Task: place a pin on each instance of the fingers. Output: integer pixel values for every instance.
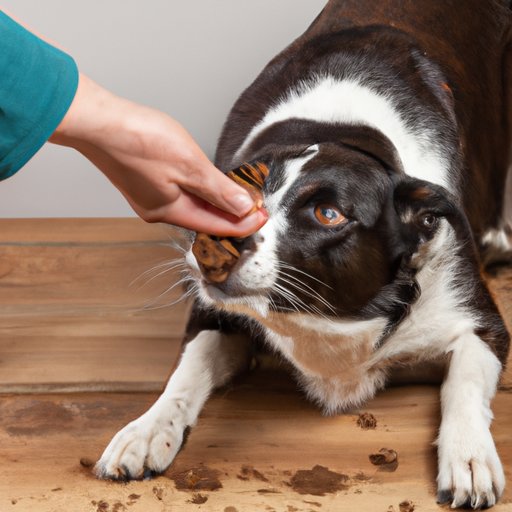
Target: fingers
(202, 179)
(197, 214)
(210, 184)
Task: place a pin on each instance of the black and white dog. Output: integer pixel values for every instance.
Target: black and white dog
(386, 129)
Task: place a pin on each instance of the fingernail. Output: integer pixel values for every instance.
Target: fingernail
(259, 217)
(242, 203)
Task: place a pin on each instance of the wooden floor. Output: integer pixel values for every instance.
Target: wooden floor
(85, 346)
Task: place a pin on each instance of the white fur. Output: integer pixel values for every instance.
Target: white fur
(332, 100)
(469, 465)
(153, 440)
(497, 241)
(336, 392)
(440, 306)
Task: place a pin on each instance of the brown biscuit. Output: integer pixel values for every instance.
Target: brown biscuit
(217, 256)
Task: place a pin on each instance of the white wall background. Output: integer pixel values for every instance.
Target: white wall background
(189, 58)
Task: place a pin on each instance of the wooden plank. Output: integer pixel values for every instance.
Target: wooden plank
(261, 423)
(93, 230)
(99, 363)
(81, 315)
(81, 275)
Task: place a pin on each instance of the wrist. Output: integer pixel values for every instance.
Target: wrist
(88, 117)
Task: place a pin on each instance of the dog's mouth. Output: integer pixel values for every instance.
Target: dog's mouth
(217, 256)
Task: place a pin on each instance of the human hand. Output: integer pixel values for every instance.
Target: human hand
(156, 164)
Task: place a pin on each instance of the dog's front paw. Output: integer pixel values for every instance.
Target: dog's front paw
(143, 448)
(470, 471)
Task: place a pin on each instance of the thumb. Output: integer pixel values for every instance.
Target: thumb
(210, 184)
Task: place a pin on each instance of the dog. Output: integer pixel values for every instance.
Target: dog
(386, 130)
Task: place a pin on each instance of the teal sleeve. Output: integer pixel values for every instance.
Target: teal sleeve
(37, 85)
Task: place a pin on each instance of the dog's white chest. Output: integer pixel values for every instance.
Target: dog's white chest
(331, 356)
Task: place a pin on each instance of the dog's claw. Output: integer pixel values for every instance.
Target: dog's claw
(445, 496)
(149, 474)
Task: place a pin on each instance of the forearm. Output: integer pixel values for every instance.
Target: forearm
(155, 163)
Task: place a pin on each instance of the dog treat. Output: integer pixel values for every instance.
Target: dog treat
(251, 177)
(217, 256)
(367, 421)
(387, 459)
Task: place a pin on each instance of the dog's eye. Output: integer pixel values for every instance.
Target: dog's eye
(328, 215)
(429, 221)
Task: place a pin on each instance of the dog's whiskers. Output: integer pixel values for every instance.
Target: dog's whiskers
(187, 293)
(307, 290)
(298, 305)
(166, 265)
(301, 286)
(287, 266)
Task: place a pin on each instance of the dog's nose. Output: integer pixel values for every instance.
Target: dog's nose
(244, 244)
(217, 257)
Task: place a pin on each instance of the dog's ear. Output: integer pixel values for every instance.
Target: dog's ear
(419, 206)
(373, 143)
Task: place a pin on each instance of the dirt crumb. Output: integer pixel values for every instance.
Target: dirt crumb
(361, 477)
(230, 509)
(101, 506)
(386, 459)
(159, 493)
(134, 497)
(367, 421)
(314, 503)
(57, 489)
(247, 472)
(13, 502)
(268, 491)
(86, 462)
(318, 481)
(118, 507)
(198, 498)
(201, 478)
(406, 506)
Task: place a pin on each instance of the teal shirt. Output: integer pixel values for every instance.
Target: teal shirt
(37, 85)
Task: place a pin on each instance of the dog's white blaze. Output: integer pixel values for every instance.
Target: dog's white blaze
(260, 271)
(327, 99)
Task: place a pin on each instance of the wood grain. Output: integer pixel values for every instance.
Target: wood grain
(70, 322)
(81, 305)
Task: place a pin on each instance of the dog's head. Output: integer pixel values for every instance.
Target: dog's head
(347, 231)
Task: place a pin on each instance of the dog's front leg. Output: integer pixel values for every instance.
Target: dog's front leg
(470, 471)
(149, 444)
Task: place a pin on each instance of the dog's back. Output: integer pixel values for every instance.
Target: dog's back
(458, 53)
